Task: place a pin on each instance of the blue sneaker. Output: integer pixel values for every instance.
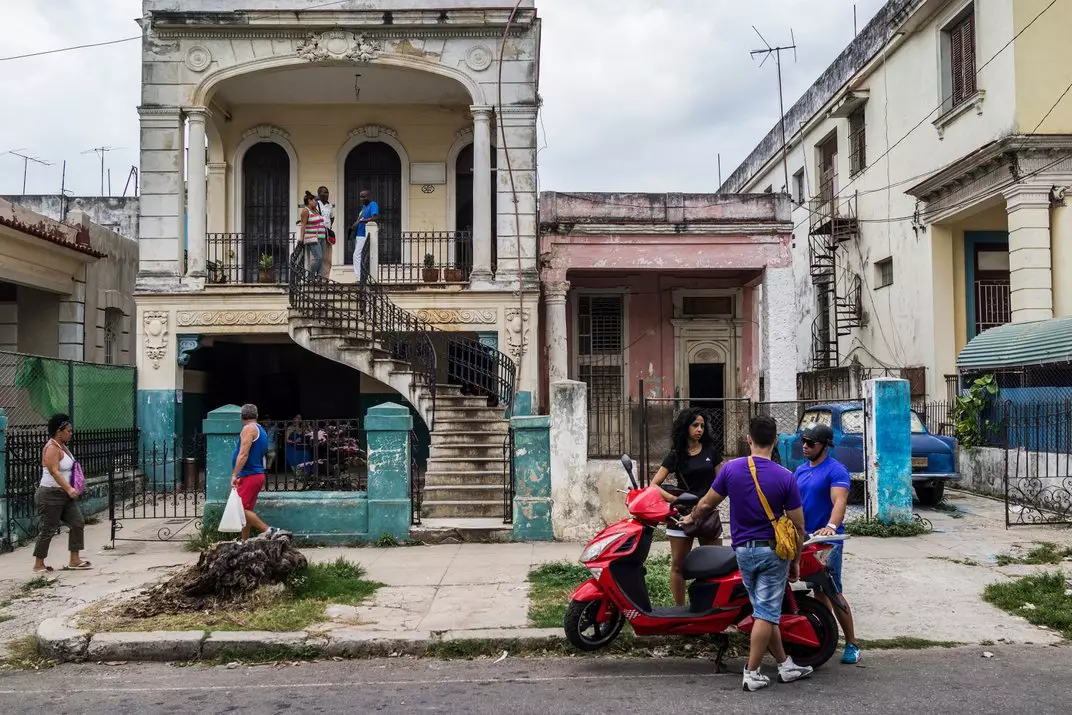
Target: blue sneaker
(851, 654)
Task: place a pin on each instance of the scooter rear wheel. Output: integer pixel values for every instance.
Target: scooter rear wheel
(584, 632)
(826, 631)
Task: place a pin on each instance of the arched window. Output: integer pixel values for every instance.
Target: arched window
(266, 199)
(377, 167)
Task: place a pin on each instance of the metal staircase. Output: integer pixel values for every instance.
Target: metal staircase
(839, 308)
(461, 388)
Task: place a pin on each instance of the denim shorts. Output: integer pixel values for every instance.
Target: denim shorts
(765, 576)
(833, 564)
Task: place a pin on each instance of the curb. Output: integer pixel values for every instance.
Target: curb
(59, 640)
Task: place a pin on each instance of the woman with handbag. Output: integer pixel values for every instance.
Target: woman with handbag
(57, 496)
(694, 459)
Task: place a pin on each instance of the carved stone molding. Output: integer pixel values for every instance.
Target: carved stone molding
(1059, 195)
(372, 131)
(479, 58)
(339, 45)
(463, 316)
(518, 329)
(187, 344)
(156, 336)
(266, 131)
(198, 58)
(190, 318)
(463, 133)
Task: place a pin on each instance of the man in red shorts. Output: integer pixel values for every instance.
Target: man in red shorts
(247, 475)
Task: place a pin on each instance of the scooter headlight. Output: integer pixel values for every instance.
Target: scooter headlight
(593, 550)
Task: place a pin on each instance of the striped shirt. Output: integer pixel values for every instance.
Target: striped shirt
(315, 230)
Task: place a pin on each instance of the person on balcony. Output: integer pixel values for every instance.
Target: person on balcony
(370, 211)
(313, 235)
(327, 210)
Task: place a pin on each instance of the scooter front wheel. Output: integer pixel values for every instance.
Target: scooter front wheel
(826, 631)
(586, 633)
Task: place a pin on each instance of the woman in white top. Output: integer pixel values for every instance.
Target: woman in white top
(56, 499)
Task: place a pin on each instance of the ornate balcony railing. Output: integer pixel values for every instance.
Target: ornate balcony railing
(427, 257)
(248, 258)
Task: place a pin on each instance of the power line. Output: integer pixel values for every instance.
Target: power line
(26, 159)
(68, 49)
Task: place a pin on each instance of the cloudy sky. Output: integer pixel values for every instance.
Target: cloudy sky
(638, 95)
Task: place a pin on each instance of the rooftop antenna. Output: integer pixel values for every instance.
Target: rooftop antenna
(133, 175)
(777, 53)
(26, 159)
(101, 151)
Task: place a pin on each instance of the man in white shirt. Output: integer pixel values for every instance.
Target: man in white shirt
(327, 210)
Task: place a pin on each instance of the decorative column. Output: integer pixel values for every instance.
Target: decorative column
(554, 295)
(889, 450)
(388, 427)
(517, 221)
(531, 455)
(162, 203)
(197, 192)
(1030, 265)
(482, 188)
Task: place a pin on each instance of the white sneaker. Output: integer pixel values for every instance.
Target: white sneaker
(790, 671)
(754, 680)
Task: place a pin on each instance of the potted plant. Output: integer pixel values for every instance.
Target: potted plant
(454, 275)
(268, 273)
(429, 274)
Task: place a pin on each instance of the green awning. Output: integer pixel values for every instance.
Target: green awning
(1018, 345)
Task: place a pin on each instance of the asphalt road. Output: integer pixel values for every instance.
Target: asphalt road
(1017, 679)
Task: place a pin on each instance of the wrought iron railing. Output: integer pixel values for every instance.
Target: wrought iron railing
(247, 258)
(509, 484)
(316, 455)
(416, 483)
(428, 257)
(993, 304)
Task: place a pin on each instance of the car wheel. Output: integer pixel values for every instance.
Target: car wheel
(931, 495)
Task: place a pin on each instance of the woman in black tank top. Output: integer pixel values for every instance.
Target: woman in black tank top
(694, 459)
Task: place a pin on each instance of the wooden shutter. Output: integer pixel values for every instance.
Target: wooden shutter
(962, 59)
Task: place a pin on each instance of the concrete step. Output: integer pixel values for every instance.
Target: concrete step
(448, 411)
(452, 531)
(451, 401)
(470, 424)
(462, 509)
(463, 493)
(467, 451)
(453, 465)
(450, 438)
(486, 478)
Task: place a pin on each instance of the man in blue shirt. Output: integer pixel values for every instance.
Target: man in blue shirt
(824, 493)
(370, 211)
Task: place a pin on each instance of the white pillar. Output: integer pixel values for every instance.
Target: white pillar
(482, 187)
(557, 345)
(1030, 265)
(779, 325)
(197, 193)
(575, 497)
(161, 205)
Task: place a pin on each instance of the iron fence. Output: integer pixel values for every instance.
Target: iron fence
(416, 483)
(728, 420)
(316, 455)
(247, 258)
(847, 383)
(1038, 454)
(33, 388)
(156, 490)
(1046, 384)
(509, 485)
(428, 257)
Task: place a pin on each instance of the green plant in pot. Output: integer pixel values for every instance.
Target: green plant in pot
(430, 273)
(267, 265)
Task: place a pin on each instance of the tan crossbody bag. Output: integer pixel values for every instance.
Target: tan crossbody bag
(785, 531)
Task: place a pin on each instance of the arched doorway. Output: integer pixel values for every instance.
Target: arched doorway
(463, 205)
(377, 167)
(266, 198)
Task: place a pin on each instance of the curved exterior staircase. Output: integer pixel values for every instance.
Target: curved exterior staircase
(462, 389)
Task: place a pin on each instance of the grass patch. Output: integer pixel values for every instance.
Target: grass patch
(37, 583)
(862, 526)
(91, 520)
(951, 509)
(552, 584)
(1044, 552)
(294, 606)
(1039, 598)
(906, 643)
(950, 559)
(23, 655)
(203, 540)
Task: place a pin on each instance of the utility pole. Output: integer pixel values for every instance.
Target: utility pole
(101, 151)
(777, 52)
(26, 159)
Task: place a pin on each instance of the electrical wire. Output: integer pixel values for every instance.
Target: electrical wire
(68, 49)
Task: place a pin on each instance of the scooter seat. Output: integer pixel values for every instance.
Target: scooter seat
(709, 562)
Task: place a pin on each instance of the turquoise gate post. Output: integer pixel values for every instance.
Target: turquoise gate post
(887, 404)
(387, 427)
(532, 478)
(222, 428)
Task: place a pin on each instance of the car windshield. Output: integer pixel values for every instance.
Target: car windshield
(852, 422)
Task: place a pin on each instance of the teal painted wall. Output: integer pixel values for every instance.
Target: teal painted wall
(889, 435)
(387, 427)
(158, 417)
(321, 517)
(532, 478)
(420, 429)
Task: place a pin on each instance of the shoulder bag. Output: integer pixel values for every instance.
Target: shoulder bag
(785, 531)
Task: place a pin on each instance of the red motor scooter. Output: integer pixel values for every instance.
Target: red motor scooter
(617, 591)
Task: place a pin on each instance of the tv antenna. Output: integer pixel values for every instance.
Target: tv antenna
(26, 159)
(767, 52)
(101, 151)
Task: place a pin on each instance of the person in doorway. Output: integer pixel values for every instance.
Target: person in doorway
(370, 211)
(312, 235)
(327, 210)
(694, 460)
(764, 573)
(56, 498)
(824, 486)
(247, 475)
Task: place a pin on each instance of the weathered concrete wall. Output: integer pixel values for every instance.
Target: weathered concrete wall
(109, 302)
(575, 497)
(982, 470)
(117, 213)
(608, 476)
(668, 208)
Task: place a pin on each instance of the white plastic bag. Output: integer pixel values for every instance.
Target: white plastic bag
(234, 516)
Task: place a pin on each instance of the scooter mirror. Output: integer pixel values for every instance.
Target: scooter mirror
(627, 463)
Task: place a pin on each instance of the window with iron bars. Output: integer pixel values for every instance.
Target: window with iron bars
(601, 366)
(857, 142)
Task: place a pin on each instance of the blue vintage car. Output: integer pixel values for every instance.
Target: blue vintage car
(934, 457)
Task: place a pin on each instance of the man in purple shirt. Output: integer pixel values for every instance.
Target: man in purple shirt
(763, 572)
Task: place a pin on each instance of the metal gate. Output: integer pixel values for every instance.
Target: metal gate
(728, 418)
(1037, 445)
(162, 481)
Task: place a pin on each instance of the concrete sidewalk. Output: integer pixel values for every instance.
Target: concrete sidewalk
(897, 587)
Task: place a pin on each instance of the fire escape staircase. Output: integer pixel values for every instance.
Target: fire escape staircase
(462, 389)
(833, 223)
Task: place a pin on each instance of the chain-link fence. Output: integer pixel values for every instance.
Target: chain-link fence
(33, 388)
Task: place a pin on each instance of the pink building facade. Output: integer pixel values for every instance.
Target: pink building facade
(672, 295)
